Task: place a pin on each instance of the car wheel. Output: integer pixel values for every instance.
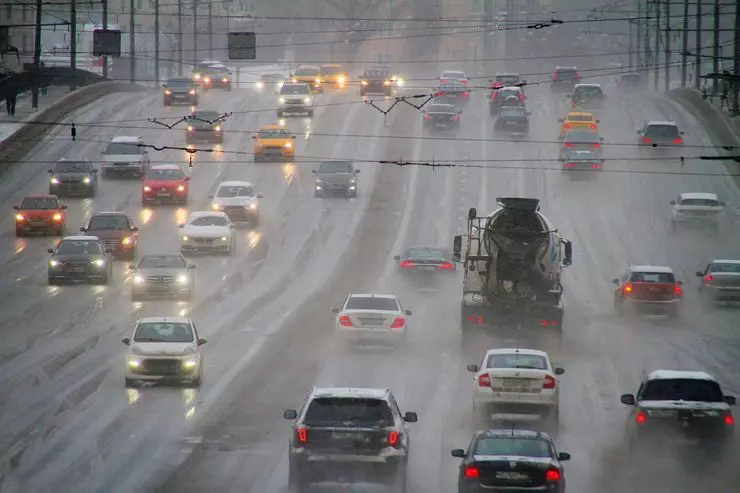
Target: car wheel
(130, 383)
(52, 281)
(296, 482)
(59, 231)
(310, 114)
(103, 280)
(279, 114)
(399, 482)
(18, 232)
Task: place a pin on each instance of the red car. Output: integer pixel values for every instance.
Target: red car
(40, 213)
(648, 288)
(165, 183)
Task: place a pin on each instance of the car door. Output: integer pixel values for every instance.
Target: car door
(134, 230)
(399, 415)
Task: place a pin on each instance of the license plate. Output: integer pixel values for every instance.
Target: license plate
(164, 194)
(77, 269)
(516, 382)
(427, 267)
(511, 475)
(440, 124)
(371, 321)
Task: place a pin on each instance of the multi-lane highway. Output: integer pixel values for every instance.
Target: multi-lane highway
(68, 424)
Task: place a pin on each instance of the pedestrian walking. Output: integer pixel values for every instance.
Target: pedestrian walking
(10, 98)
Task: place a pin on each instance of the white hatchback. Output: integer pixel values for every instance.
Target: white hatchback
(697, 208)
(371, 316)
(521, 379)
(207, 231)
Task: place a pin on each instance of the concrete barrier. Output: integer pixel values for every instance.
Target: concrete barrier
(20, 143)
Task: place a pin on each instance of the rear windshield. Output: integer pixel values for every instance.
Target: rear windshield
(718, 267)
(295, 89)
(579, 136)
(344, 411)
(117, 148)
(508, 80)
(528, 361)
(162, 262)
(660, 277)
(426, 253)
(452, 88)
(368, 303)
(163, 332)
(303, 72)
(512, 111)
(682, 389)
(71, 167)
(164, 174)
(664, 131)
(42, 203)
(525, 447)
(442, 108)
(108, 221)
(700, 202)
(78, 247)
(336, 167)
(331, 70)
(580, 118)
(453, 75)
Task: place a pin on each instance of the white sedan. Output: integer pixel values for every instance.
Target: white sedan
(207, 231)
(523, 380)
(372, 316)
(697, 208)
(238, 200)
(453, 76)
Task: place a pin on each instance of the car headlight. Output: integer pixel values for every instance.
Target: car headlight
(147, 188)
(215, 207)
(138, 279)
(185, 238)
(54, 181)
(288, 145)
(98, 263)
(387, 83)
(282, 100)
(352, 180)
(126, 240)
(224, 238)
(224, 80)
(207, 79)
(318, 81)
(57, 217)
(86, 180)
(196, 76)
(190, 128)
(134, 363)
(19, 217)
(341, 79)
(181, 188)
(191, 92)
(191, 363)
(217, 128)
(253, 206)
(260, 84)
(167, 92)
(364, 82)
(183, 279)
(53, 263)
(307, 100)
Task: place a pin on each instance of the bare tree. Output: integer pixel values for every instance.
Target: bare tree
(356, 9)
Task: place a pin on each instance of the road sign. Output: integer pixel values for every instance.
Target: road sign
(107, 42)
(242, 46)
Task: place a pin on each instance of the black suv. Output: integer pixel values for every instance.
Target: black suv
(564, 79)
(338, 177)
(80, 258)
(517, 461)
(180, 90)
(205, 125)
(660, 134)
(376, 80)
(73, 178)
(349, 434)
(512, 119)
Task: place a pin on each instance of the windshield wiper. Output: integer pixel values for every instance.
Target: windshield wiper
(527, 367)
(148, 339)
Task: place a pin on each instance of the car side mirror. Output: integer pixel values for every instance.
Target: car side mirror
(134, 229)
(598, 121)
(568, 96)
(682, 133)
(568, 253)
(83, 229)
(410, 417)
(561, 160)
(615, 282)
(132, 267)
(260, 196)
(559, 371)
(529, 113)
(357, 171)
(16, 207)
(627, 399)
(680, 283)
(191, 267)
(180, 226)
(126, 341)
(407, 312)
(335, 309)
(639, 132)
(187, 178)
(94, 171)
(397, 258)
(673, 202)
(202, 340)
(721, 204)
(50, 171)
(50, 250)
(699, 274)
(313, 171)
(63, 208)
(290, 414)
(472, 368)
(730, 400)
(458, 452)
(210, 195)
(563, 456)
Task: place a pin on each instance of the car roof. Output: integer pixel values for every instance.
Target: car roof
(725, 261)
(41, 196)
(350, 392)
(165, 166)
(587, 85)
(699, 195)
(110, 213)
(235, 183)
(385, 296)
(197, 214)
(506, 74)
(510, 88)
(274, 126)
(126, 139)
(528, 352)
(443, 106)
(566, 67)
(331, 65)
(175, 320)
(425, 247)
(512, 432)
(579, 113)
(666, 122)
(306, 67)
(297, 83)
(683, 374)
(81, 238)
(655, 269)
(453, 72)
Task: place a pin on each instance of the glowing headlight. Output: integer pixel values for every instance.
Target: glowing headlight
(217, 128)
(207, 79)
(181, 188)
(53, 263)
(224, 80)
(215, 207)
(191, 363)
(86, 180)
(307, 100)
(57, 217)
(138, 279)
(282, 100)
(196, 76)
(294, 80)
(318, 81)
(387, 83)
(19, 217)
(98, 263)
(252, 206)
(190, 128)
(183, 279)
(185, 238)
(126, 240)
(364, 82)
(353, 180)
(341, 79)
(260, 84)
(288, 145)
(134, 363)
(55, 181)
(399, 82)
(191, 92)
(167, 92)
(224, 238)
(147, 189)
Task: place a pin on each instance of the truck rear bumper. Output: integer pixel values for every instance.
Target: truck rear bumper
(550, 316)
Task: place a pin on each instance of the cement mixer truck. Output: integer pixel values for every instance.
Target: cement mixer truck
(513, 261)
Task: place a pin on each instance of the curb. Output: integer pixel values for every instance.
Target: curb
(20, 143)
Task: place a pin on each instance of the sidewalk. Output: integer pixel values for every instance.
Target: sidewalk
(24, 112)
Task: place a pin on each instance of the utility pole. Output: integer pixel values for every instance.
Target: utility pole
(697, 75)
(73, 42)
(180, 36)
(210, 30)
(105, 26)
(715, 62)
(648, 54)
(156, 41)
(36, 58)
(685, 41)
(667, 82)
(656, 61)
(132, 45)
(638, 62)
(629, 49)
(195, 31)
(736, 64)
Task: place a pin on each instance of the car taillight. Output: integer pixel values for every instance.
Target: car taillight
(678, 140)
(627, 288)
(484, 380)
(301, 435)
(549, 382)
(521, 96)
(595, 165)
(545, 323)
(407, 265)
(570, 165)
(552, 474)
(578, 75)
(465, 94)
(442, 81)
(472, 472)
(446, 266)
(554, 76)
(475, 319)
(729, 420)
(393, 438)
(427, 116)
(398, 323)
(592, 126)
(568, 144)
(345, 321)
(494, 95)
(567, 125)
(597, 146)
(455, 118)
(677, 290)
(640, 417)
(708, 278)
(646, 140)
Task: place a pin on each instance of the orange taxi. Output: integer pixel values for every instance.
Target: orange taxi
(578, 120)
(333, 76)
(311, 75)
(42, 213)
(274, 142)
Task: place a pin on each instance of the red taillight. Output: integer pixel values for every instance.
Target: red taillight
(475, 319)
(640, 417)
(442, 81)
(549, 382)
(472, 472)
(578, 75)
(398, 323)
(595, 165)
(407, 265)
(646, 140)
(455, 118)
(597, 146)
(570, 165)
(729, 420)
(544, 322)
(484, 380)
(521, 96)
(552, 475)
(568, 144)
(427, 116)
(345, 321)
(446, 266)
(392, 438)
(302, 435)
(567, 125)
(677, 290)
(678, 140)
(627, 288)
(592, 126)
(708, 278)
(554, 76)
(494, 95)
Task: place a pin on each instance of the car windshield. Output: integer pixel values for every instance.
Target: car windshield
(201, 67)
(565, 74)
(108, 221)
(580, 118)
(294, 89)
(331, 70)
(512, 446)
(306, 72)
(117, 148)
(162, 262)
(725, 267)
(681, 389)
(426, 253)
(442, 108)
(377, 74)
(662, 131)
(582, 137)
(700, 202)
(206, 116)
(72, 167)
(274, 133)
(344, 411)
(508, 80)
(179, 84)
(163, 332)
(39, 203)
(235, 191)
(209, 221)
(513, 360)
(164, 174)
(371, 303)
(659, 277)
(78, 247)
(331, 167)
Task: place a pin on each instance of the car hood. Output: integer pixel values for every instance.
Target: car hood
(205, 231)
(38, 213)
(108, 233)
(272, 142)
(161, 348)
(122, 158)
(227, 201)
(163, 271)
(69, 257)
(335, 177)
(76, 174)
(163, 183)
